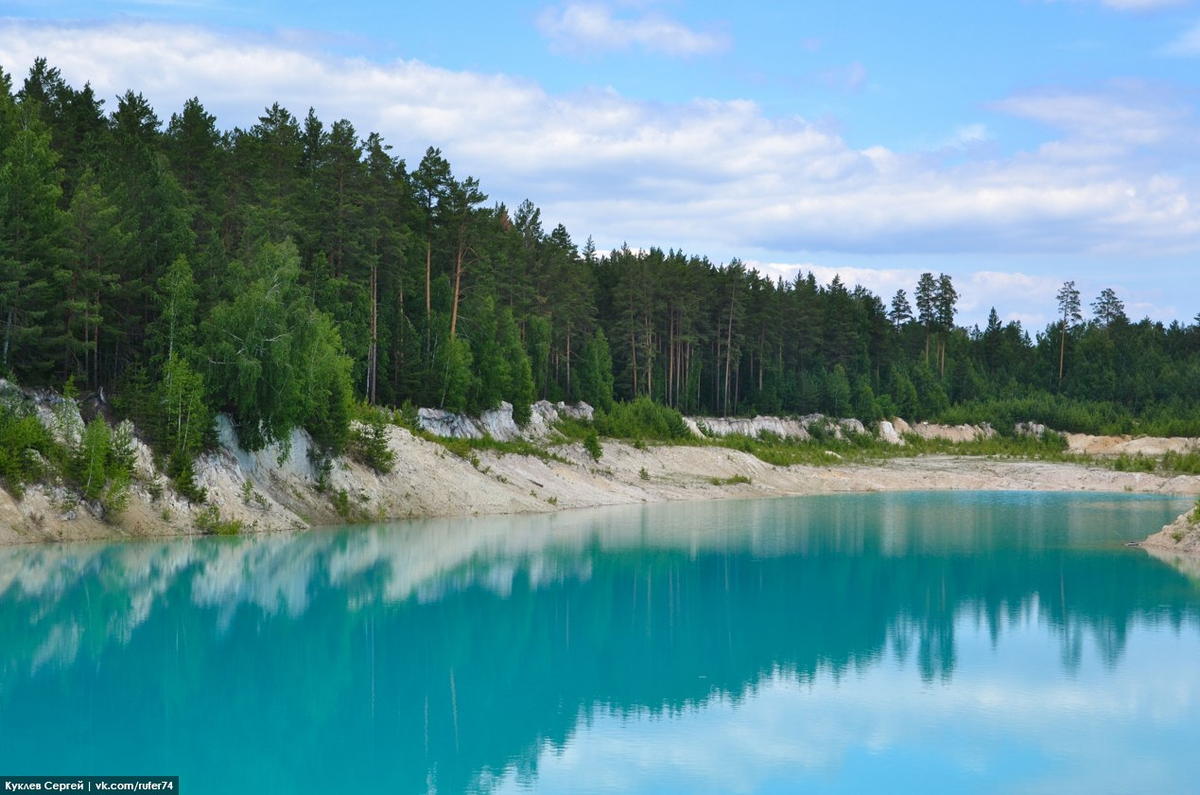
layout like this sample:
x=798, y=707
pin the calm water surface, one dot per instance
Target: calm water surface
x=919, y=642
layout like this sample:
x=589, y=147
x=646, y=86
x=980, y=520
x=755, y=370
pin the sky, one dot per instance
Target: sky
x=1012, y=144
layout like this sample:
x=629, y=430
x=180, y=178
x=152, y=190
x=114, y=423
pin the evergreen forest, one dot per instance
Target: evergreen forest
x=286, y=273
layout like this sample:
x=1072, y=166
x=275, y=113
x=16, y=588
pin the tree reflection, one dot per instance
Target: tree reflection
x=448, y=652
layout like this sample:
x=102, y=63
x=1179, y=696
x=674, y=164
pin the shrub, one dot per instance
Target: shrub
x=24, y=445
x=369, y=444
x=642, y=419
x=209, y=521
x=591, y=443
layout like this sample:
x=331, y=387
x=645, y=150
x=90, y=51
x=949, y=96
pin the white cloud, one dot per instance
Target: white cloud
x=1135, y=5
x=1122, y=115
x=851, y=77
x=1143, y=5
x=581, y=28
x=709, y=177
x=1188, y=44
x=1016, y=295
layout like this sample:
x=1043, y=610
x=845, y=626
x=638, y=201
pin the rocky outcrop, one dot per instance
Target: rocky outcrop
x=284, y=487
x=1087, y=444
x=801, y=428
x=889, y=434
x=1181, y=536
x=720, y=427
x=953, y=433
x=1030, y=429
x=499, y=423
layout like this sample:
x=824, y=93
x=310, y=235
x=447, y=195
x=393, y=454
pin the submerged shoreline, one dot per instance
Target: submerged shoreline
x=263, y=492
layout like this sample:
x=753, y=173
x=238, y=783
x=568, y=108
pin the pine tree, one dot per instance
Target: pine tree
x=31, y=239
x=1068, y=305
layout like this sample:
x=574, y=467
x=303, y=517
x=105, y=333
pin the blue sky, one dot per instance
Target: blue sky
x=1013, y=144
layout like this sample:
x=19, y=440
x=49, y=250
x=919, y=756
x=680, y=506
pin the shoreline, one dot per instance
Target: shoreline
x=263, y=493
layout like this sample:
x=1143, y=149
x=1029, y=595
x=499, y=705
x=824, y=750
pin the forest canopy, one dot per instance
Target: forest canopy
x=281, y=272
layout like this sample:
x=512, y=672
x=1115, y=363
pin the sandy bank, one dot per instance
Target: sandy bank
x=1181, y=537
x=265, y=495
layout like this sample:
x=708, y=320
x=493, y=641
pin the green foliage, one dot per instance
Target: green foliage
x=452, y=375
x=643, y=474
x=183, y=420
x=209, y=521
x=642, y=419
x=733, y=480
x=296, y=267
x=837, y=393
x=369, y=444
x=863, y=448
x=25, y=445
x=591, y=443
x=1181, y=463
x=518, y=389
x=276, y=360
x=1134, y=463
x=466, y=448
x=91, y=459
x=102, y=464
x=594, y=376
x=341, y=504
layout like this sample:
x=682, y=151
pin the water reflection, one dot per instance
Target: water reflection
x=460, y=654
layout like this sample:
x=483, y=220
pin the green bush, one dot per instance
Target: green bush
x=25, y=445
x=210, y=521
x=1182, y=463
x=642, y=419
x=591, y=443
x=1135, y=463
x=102, y=464
x=369, y=444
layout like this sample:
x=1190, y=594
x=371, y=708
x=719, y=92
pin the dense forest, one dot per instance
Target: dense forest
x=286, y=272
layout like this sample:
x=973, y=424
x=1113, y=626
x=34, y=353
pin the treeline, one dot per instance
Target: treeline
x=281, y=272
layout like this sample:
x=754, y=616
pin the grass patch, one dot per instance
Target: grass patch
x=642, y=419
x=466, y=448
x=866, y=448
x=209, y=521
x=1171, y=463
x=730, y=481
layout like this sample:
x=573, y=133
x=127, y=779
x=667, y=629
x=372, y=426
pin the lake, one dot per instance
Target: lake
x=991, y=642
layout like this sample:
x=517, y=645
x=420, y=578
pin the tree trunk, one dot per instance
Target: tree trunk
x=458, y=271
x=728, y=350
x=1062, y=352
x=428, y=268
x=633, y=364
x=372, y=356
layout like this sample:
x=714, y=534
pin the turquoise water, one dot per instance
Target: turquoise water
x=919, y=642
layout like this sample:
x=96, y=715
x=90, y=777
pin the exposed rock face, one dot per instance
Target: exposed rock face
x=852, y=426
x=953, y=433
x=499, y=423
x=292, y=458
x=784, y=428
x=728, y=426
x=1182, y=535
x=889, y=434
x=1128, y=445
x=580, y=411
